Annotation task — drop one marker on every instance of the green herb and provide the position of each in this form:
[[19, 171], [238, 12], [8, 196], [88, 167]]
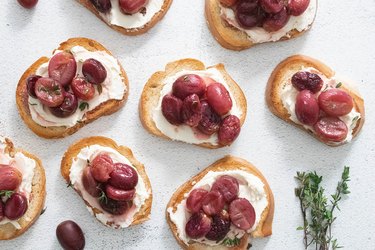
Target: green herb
[[100, 88], [6, 193], [79, 121], [33, 104], [103, 197], [326, 87], [43, 211], [88, 161], [355, 118], [83, 106], [338, 85], [69, 185], [231, 242], [316, 211], [80, 60]]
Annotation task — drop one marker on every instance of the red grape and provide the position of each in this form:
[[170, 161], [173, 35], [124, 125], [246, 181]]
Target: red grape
[[213, 203], [276, 21], [49, 92], [30, 85], [171, 108], [28, 4], [272, 6], [242, 214], [102, 5], [229, 130], [305, 80], [191, 111], [94, 71], [187, 85], [115, 207], [195, 199], [198, 225], [132, 6], [228, 3], [67, 108], [220, 226], [102, 167], [219, 98], [62, 68], [228, 186], [70, 236], [335, 102], [119, 194], [10, 178], [248, 14], [331, 129], [210, 122], [123, 177], [89, 183], [297, 7], [15, 206], [307, 108], [83, 89]]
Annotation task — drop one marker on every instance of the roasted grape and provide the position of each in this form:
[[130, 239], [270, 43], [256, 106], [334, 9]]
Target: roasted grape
[[15, 206], [213, 203], [297, 7], [171, 108], [115, 207], [336, 102], [307, 108], [10, 178], [119, 194], [62, 68], [198, 225], [83, 89], [89, 183], [70, 235], [123, 177], [248, 14], [102, 167], [67, 108], [210, 122], [242, 214], [219, 98], [191, 110], [331, 129], [272, 6], [228, 187], [30, 85], [195, 199], [94, 71], [220, 226], [229, 130], [102, 5], [187, 85], [275, 22], [305, 80], [28, 4], [132, 6], [49, 92]]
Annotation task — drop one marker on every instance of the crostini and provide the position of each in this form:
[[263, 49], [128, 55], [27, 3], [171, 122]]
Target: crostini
[[22, 190], [130, 17], [222, 207], [241, 24], [191, 103], [113, 184], [306, 93], [81, 82]]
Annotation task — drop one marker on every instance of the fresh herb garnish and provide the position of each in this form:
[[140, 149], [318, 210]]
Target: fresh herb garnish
[[69, 184], [32, 104], [6, 193], [231, 242], [100, 88], [103, 197], [338, 85], [326, 87], [355, 118], [83, 106], [43, 211], [317, 213]]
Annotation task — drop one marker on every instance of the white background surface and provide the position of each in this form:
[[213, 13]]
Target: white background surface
[[342, 37]]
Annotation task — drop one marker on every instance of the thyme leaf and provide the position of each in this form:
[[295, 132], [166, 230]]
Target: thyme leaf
[[231, 242], [83, 106], [339, 85], [103, 197], [6, 193]]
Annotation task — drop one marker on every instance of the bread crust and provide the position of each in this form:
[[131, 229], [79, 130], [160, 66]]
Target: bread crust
[[151, 94], [133, 31], [276, 79], [73, 151], [230, 37], [38, 194], [105, 108], [227, 163]]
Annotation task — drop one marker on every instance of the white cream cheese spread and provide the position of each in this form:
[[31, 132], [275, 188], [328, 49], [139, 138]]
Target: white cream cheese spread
[[80, 163], [112, 88], [260, 35], [137, 20], [26, 166], [288, 95], [184, 132], [250, 187]]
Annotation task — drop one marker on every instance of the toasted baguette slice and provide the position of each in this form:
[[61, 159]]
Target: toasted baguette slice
[[132, 31], [73, 151], [294, 64], [38, 194], [227, 163], [151, 94], [105, 108], [229, 36]]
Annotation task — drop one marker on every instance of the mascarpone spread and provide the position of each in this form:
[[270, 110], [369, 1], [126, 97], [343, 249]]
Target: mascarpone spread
[[288, 94], [80, 162], [26, 166], [184, 132], [112, 88], [250, 187], [137, 20], [260, 35]]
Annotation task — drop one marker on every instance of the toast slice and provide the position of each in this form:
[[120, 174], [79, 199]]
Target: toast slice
[[106, 108], [264, 227], [151, 94], [294, 64], [38, 194], [144, 213], [130, 31], [231, 37]]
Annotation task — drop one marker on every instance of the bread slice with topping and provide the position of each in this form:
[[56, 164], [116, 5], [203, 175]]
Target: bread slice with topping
[[37, 196], [281, 78], [151, 97], [105, 108], [134, 30], [233, 38], [228, 163], [74, 153]]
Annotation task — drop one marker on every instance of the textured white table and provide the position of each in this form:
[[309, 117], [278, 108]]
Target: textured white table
[[342, 36]]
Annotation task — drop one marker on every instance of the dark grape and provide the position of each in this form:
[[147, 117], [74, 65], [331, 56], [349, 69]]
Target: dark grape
[[272, 6], [307, 108], [305, 80], [62, 68], [210, 122], [195, 199], [198, 225], [228, 186], [220, 226], [187, 85], [30, 85], [297, 7], [67, 108], [275, 22], [70, 235], [219, 98], [102, 5], [213, 203], [94, 71], [28, 4], [83, 89], [49, 92], [331, 129], [336, 102], [171, 108], [191, 110], [229, 130], [123, 177], [16, 206], [242, 213]]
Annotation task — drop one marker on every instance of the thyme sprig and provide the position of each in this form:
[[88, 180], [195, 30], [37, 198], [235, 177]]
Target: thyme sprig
[[6, 193], [317, 212], [231, 242], [103, 197]]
